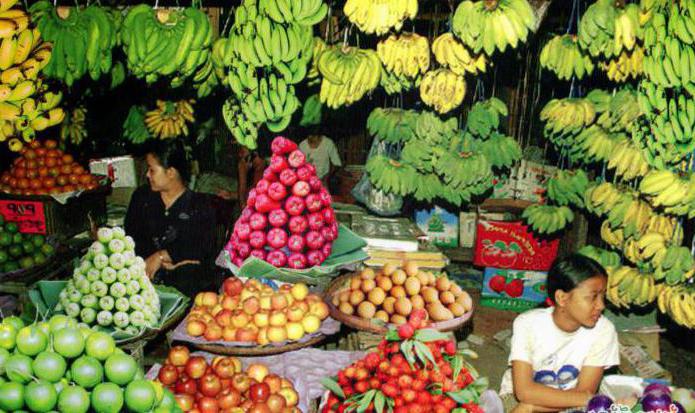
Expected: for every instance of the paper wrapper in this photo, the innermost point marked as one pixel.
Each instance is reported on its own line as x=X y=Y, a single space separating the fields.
x=328 y=327
x=304 y=368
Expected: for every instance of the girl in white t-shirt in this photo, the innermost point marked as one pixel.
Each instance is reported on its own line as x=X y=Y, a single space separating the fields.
x=558 y=354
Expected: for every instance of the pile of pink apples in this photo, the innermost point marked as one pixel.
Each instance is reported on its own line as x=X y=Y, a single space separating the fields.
x=288 y=220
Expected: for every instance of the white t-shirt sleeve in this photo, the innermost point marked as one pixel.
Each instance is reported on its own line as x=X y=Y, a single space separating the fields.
x=605 y=350
x=521 y=348
x=333 y=153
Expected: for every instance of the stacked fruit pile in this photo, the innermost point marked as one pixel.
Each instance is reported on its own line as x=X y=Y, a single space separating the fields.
x=82 y=39
x=110 y=288
x=412 y=370
x=27 y=106
x=170 y=119
x=268 y=51
x=254 y=312
x=56 y=366
x=42 y=169
x=392 y=294
x=21 y=251
x=223 y=386
x=288 y=220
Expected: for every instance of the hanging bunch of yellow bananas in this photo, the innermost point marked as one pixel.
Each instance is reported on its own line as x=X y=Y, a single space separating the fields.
x=169 y=119
x=627 y=65
x=679 y=303
x=379 y=16
x=348 y=74
x=313 y=69
x=405 y=55
x=26 y=106
x=73 y=128
x=442 y=89
x=452 y=54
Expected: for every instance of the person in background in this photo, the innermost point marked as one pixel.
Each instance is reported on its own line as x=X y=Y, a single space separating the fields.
x=558 y=354
x=173 y=227
x=250 y=169
x=322 y=153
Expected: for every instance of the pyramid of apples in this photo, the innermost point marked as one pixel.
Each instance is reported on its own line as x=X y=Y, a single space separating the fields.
x=288 y=220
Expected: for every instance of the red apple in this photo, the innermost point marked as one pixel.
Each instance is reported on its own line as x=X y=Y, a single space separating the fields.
x=196 y=366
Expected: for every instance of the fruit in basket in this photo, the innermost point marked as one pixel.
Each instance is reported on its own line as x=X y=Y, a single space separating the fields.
x=412 y=369
x=42 y=168
x=254 y=312
x=109 y=287
x=392 y=294
x=53 y=365
x=21 y=251
x=288 y=219
x=224 y=386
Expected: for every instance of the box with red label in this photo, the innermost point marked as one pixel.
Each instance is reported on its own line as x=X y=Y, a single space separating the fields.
x=512 y=245
x=120 y=170
x=531 y=181
x=516 y=290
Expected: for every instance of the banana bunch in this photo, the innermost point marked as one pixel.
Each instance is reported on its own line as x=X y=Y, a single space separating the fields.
x=500 y=150
x=442 y=89
x=391 y=176
x=313 y=71
x=547 y=219
x=622 y=112
x=348 y=74
x=606 y=30
x=134 y=128
x=628 y=160
x=674 y=265
x=405 y=55
x=467 y=174
x=493 y=25
x=668 y=226
x=568 y=187
x=431 y=127
x=169 y=119
x=628 y=28
x=630 y=213
x=613 y=237
x=679 y=303
x=629 y=286
x=484 y=117
x=222 y=56
x=392 y=124
x=607 y=259
x=83 y=39
x=24 y=117
x=450 y=53
x=602 y=198
x=167 y=42
x=273 y=102
x=597 y=144
x=379 y=16
x=73 y=128
x=670 y=63
x=244 y=131
x=394 y=85
x=651 y=245
x=671 y=192
x=562 y=56
x=311 y=111
x=567 y=116
x=681 y=22
x=628 y=65
x=302 y=12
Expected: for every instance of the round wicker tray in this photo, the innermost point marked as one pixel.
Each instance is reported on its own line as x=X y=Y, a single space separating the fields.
x=257 y=351
x=360 y=323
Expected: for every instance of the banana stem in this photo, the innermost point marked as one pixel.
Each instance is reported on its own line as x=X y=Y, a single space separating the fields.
x=63 y=12
x=491 y=4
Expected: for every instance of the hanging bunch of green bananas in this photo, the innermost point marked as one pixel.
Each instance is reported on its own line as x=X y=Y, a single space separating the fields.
x=562 y=56
x=679 y=303
x=394 y=85
x=311 y=112
x=134 y=128
x=452 y=54
x=379 y=16
x=26 y=104
x=431 y=127
x=83 y=39
x=565 y=120
x=568 y=187
x=391 y=176
x=547 y=219
x=243 y=130
x=168 y=43
x=622 y=112
x=628 y=65
x=73 y=128
x=607 y=30
x=392 y=125
x=442 y=89
x=348 y=73
x=466 y=174
x=607 y=259
x=484 y=117
x=489 y=25
x=501 y=151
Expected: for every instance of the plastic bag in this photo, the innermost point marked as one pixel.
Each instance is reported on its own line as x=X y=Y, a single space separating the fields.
x=376 y=200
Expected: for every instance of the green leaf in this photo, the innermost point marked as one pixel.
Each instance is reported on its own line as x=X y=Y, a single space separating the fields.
x=515 y=247
x=364 y=403
x=407 y=350
x=459 y=410
x=456 y=365
x=333 y=386
x=480 y=384
x=501 y=245
x=468 y=353
x=429 y=334
x=424 y=354
x=379 y=401
x=392 y=335
x=466 y=395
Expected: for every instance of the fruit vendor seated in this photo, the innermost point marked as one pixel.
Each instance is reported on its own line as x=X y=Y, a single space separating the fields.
x=173 y=227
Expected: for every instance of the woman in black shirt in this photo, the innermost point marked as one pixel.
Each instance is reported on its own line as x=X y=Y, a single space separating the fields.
x=173 y=227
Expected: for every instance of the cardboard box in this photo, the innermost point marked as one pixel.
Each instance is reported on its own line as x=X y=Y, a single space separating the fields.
x=120 y=170
x=511 y=245
x=531 y=181
x=440 y=225
x=635 y=361
x=468 y=222
x=504 y=187
x=515 y=290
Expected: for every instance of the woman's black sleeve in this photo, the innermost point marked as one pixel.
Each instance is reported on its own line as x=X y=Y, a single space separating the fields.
x=197 y=240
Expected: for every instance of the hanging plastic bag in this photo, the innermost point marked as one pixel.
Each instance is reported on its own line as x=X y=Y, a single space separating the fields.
x=376 y=200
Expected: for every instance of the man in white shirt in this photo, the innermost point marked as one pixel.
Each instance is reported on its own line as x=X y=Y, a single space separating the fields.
x=323 y=154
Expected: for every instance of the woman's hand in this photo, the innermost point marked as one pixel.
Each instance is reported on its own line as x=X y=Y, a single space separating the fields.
x=171 y=266
x=152 y=264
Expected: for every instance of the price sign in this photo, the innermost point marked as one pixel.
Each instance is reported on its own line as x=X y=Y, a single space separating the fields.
x=29 y=215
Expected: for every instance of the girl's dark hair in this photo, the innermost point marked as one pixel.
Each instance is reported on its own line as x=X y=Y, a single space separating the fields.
x=568 y=272
x=172 y=154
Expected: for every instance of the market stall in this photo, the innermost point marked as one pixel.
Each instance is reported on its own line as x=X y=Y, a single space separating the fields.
x=280 y=206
